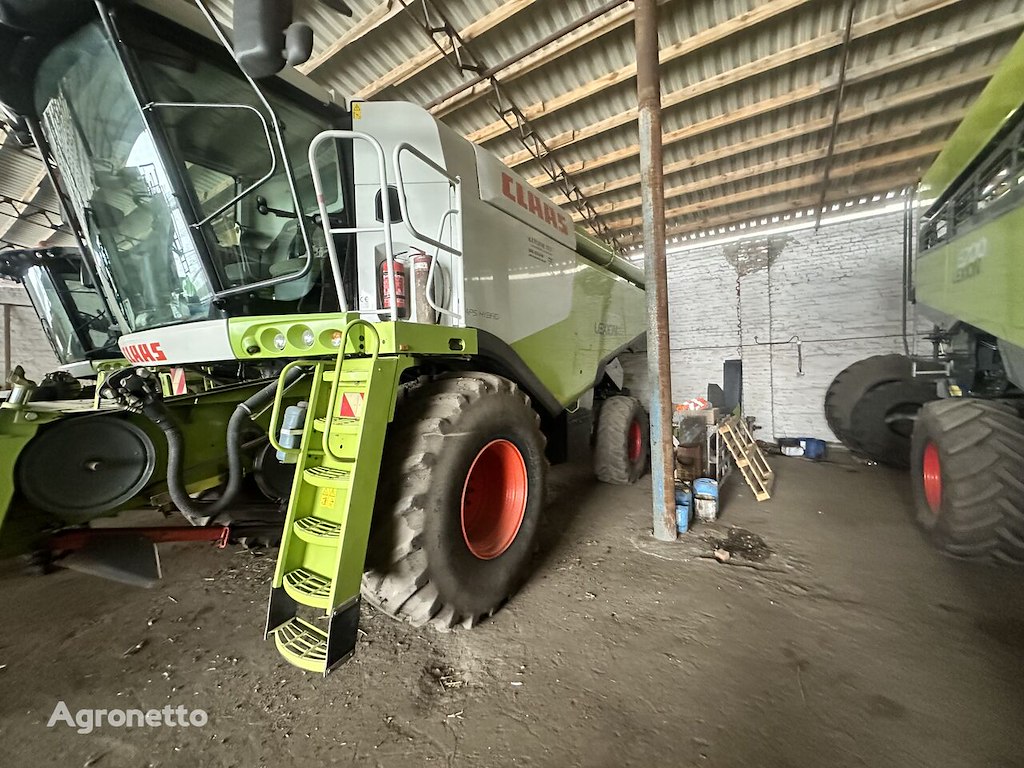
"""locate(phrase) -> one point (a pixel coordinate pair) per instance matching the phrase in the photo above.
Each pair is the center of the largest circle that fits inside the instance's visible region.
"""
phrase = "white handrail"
(430, 273)
(454, 182)
(329, 231)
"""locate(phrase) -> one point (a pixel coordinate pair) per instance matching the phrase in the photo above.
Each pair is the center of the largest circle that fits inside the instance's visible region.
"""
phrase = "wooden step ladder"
(748, 456)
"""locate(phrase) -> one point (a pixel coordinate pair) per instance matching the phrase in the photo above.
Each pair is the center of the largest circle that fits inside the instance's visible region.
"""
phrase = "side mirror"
(266, 38)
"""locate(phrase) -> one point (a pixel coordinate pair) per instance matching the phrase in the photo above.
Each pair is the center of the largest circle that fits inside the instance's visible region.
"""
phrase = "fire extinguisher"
(420, 272)
(384, 287)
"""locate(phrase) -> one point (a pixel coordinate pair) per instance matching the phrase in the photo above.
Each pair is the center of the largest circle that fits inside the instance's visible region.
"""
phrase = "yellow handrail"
(333, 400)
(275, 414)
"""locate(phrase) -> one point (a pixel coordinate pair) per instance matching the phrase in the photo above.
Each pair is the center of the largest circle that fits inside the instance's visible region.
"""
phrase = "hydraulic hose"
(205, 512)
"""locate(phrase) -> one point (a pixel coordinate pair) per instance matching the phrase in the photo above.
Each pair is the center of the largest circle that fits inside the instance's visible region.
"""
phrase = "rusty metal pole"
(652, 193)
(7, 342)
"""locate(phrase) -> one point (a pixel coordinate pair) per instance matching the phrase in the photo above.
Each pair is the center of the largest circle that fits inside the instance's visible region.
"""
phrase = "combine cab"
(74, 317)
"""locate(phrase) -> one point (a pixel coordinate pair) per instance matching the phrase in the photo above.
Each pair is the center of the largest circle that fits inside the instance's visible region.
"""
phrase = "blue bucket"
(705, 492)
(684, 509)
(705, 487)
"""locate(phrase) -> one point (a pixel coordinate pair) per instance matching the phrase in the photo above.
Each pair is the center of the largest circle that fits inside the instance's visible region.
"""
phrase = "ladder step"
(316, 530)
(302, 644)
(308, 588)
(327, 477)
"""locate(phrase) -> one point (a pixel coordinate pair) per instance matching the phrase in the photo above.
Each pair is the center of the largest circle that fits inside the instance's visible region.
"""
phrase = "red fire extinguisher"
(384, 287)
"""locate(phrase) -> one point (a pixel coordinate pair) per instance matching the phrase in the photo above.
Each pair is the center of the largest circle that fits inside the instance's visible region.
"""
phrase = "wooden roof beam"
(914, 154)
(865, 72)
(564, 45)
(781, 210)
(430, 55)
(378, 17)
(879, 106)
(870, 141)
(743, 22)
(30, 195)
(870, 70)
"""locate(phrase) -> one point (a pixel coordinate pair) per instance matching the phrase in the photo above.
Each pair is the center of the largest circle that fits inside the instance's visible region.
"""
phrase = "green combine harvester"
(73, 315)
(449, 329)
(954, 418)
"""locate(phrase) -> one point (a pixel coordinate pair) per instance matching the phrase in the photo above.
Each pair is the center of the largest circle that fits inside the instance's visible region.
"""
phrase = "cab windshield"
(153, 185)
(73, 314)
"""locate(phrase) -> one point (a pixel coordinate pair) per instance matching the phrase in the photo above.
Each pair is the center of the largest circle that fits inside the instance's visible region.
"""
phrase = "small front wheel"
(621, 445)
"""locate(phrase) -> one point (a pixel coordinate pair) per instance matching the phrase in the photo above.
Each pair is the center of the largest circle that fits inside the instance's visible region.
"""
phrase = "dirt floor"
(851, 644)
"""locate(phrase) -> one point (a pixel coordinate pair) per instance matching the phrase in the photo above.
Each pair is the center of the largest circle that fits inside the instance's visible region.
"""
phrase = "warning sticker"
(351, 405)
(178, 384)
(328, 497)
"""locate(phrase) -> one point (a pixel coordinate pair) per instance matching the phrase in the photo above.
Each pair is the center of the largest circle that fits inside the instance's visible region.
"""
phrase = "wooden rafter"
(28, 197)
(743, 22)
(870, 70)
(380, 15)
(430, 55)
(785, 209)
(760, 140)
(564, 45)
(906, 156)
(858, 144)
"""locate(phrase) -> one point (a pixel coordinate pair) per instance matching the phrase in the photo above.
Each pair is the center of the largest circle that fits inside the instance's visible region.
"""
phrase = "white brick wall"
(29, 347)
(838, 289)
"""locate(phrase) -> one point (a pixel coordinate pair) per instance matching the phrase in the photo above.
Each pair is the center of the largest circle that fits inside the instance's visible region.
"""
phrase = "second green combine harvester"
(955, 418)
(456, 330)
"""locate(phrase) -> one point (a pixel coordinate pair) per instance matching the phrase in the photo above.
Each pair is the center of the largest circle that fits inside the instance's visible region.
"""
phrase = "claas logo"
(529, 201)
(144, 353)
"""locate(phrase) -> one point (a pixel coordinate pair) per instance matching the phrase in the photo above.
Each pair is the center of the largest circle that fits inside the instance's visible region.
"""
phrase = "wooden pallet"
(751, 462)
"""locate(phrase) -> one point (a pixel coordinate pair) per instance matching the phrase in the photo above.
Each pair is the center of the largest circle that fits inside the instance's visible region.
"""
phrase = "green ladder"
(320, 564)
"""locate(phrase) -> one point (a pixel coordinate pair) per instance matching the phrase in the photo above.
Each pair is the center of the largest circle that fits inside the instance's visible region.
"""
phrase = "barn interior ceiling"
(772, 108)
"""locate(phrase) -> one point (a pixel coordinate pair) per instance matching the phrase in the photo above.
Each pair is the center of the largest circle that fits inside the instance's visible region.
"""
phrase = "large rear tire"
(460, 497)
(852, 383)
(621, 442)
(968, 476)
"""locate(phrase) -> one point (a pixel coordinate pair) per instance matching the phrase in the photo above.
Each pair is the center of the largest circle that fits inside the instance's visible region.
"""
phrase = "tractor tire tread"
(981, 444)
(397, 580)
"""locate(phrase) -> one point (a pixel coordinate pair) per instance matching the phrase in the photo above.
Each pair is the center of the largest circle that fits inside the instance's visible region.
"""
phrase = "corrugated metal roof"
(749, 88)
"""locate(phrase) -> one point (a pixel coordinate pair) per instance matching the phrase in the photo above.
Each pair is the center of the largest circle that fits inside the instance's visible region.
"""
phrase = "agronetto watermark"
(88, 720)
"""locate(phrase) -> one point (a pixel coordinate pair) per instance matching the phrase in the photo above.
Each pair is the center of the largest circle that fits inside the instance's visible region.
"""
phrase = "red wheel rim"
(931, 475)
(636, 442)
(494, 499)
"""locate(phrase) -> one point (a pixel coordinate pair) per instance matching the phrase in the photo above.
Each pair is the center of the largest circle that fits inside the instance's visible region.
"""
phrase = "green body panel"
(978, 277)
(607, 314)
(253, 337)
(203, 419)
(997, 103)
(976, 274)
